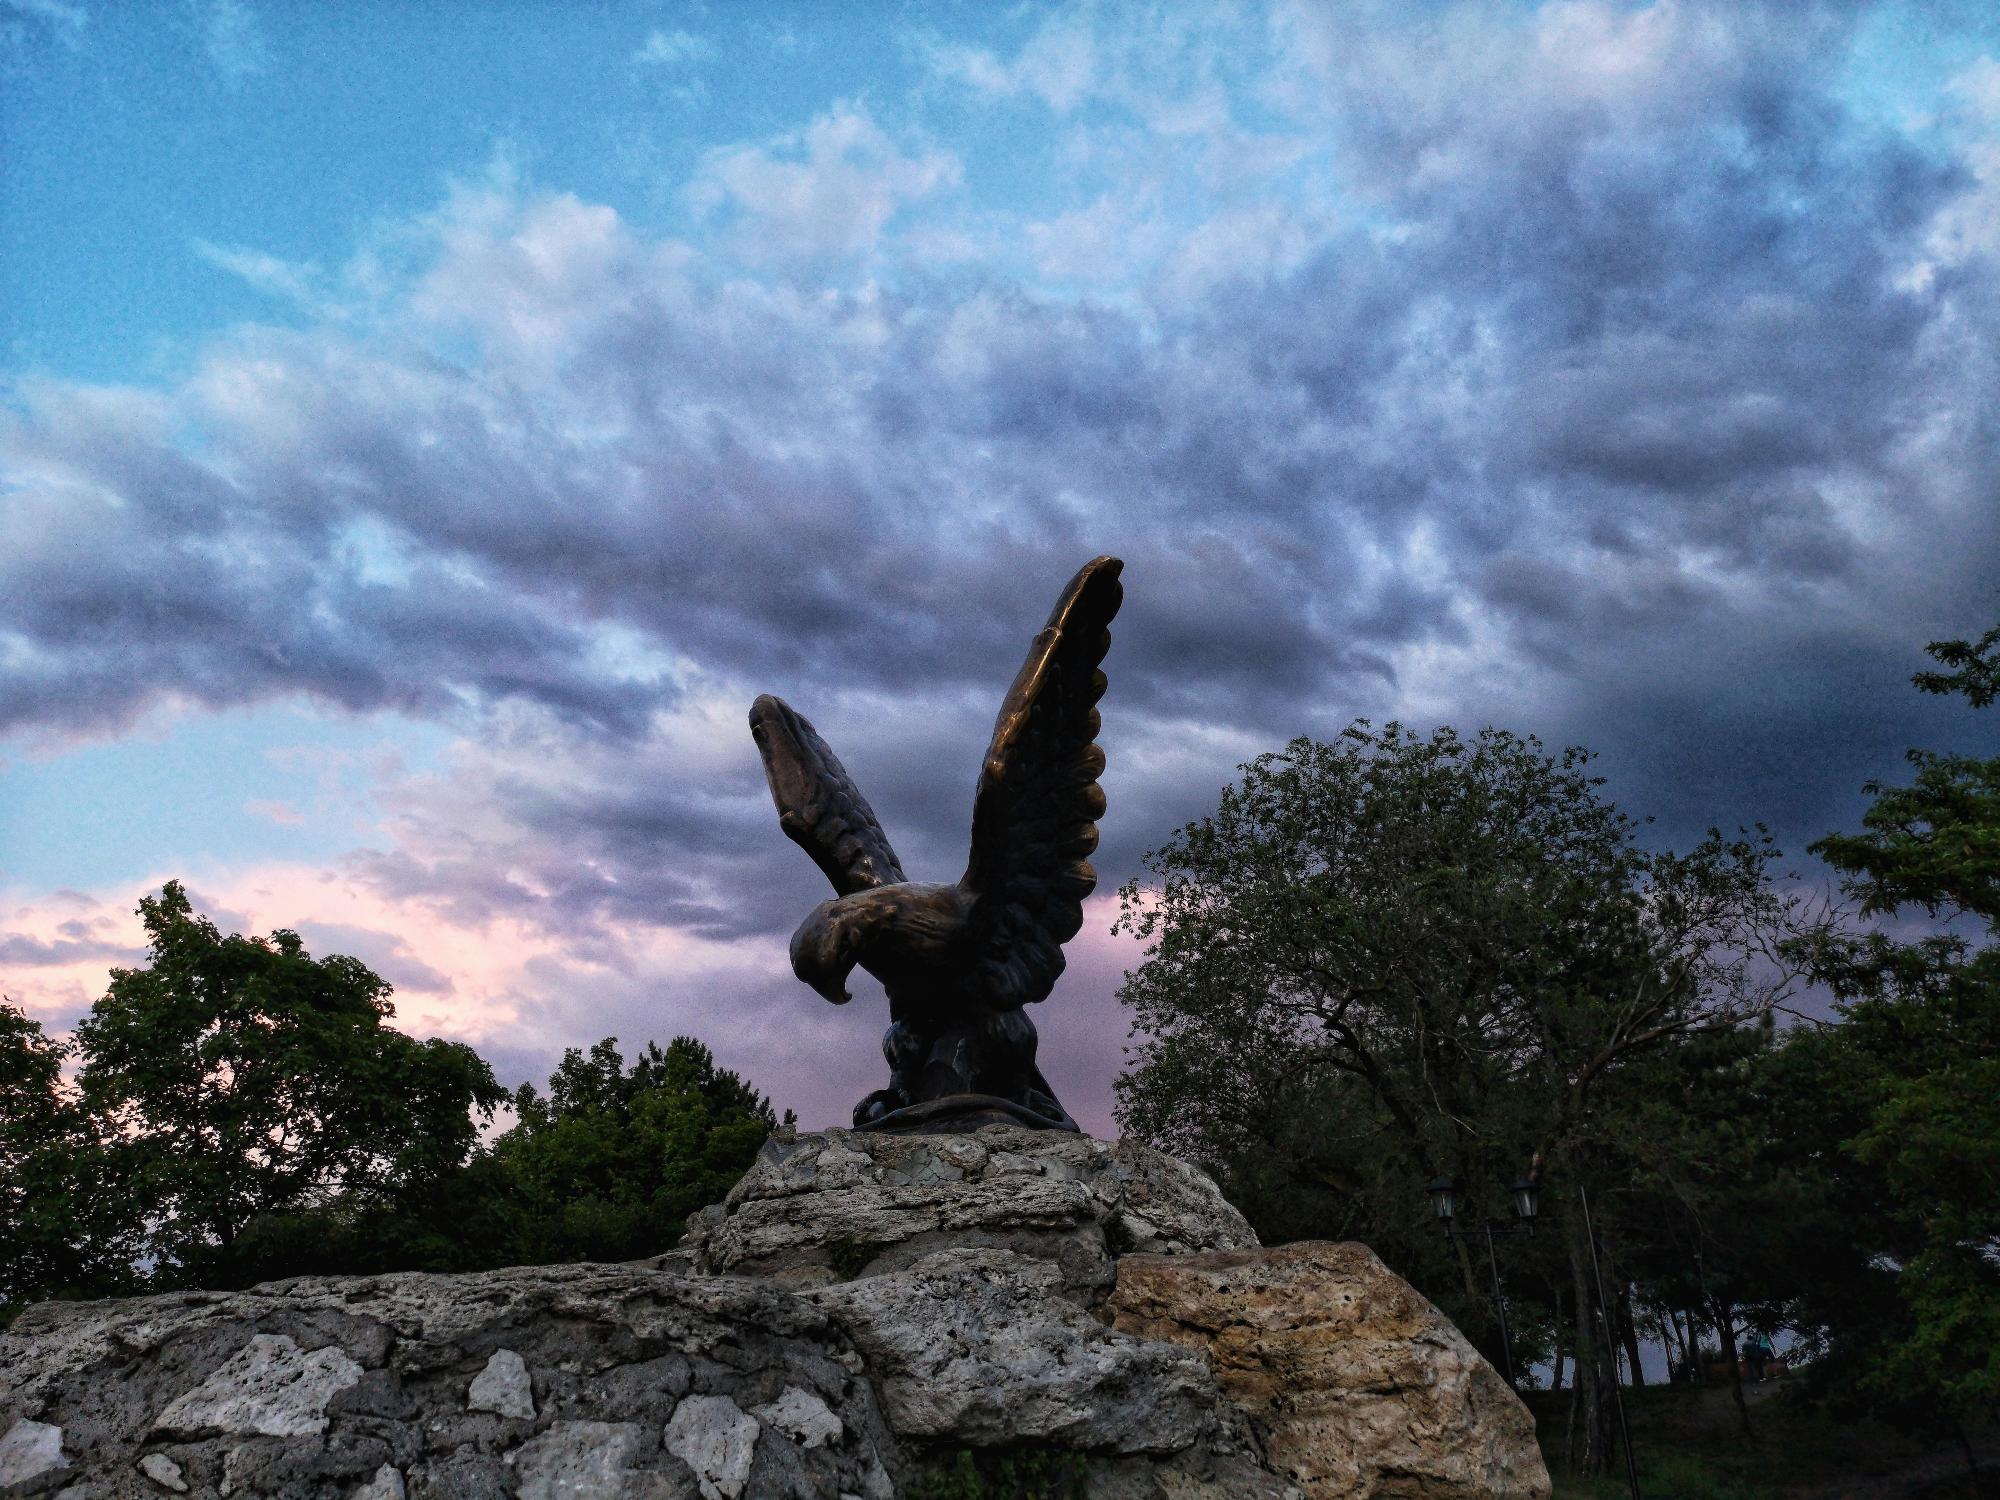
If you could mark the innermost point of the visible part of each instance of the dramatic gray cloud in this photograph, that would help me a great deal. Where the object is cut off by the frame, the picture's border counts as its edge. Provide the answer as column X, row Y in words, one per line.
column 27, row 950
column 1617, row 381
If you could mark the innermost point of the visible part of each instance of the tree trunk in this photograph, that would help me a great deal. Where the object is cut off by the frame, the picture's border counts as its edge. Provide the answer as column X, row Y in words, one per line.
column 1725, row 1324
column 1589, row 1437
column 1469, row 1278
column 1684, row 1339
column 1697, row 1321
column 1562, row 1334
column 1630, row 1335
column 1620, row 1311
column 1570, row 1414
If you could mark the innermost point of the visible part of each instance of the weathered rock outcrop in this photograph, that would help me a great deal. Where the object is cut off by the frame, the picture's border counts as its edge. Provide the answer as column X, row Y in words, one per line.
column 858, row 1307
column 1357, row 1385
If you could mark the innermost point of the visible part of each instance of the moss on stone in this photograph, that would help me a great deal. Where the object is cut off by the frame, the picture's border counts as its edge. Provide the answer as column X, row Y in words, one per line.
column 849, row 1258
column 1001, row 1474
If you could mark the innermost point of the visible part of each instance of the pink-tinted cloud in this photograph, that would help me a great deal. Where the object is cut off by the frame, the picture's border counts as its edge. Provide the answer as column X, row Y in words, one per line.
column 521, row 994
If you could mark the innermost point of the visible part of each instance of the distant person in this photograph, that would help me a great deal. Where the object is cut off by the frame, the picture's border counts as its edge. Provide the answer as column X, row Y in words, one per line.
column 1757, row 1352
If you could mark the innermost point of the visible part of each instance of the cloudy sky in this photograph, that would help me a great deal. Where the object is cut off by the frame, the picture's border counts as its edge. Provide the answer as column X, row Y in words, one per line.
column 425, row 427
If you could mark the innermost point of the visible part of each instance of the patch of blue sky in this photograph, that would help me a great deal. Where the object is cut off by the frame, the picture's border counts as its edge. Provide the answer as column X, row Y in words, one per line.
column 278, row 783
column 159, row 191
column 127, row 147
column 1905, row 57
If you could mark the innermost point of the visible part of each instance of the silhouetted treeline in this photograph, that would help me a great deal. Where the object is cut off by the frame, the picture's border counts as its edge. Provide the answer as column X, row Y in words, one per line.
column 241, row 1111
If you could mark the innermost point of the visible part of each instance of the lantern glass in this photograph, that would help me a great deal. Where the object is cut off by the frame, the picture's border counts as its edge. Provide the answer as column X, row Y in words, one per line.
column 1527, row 1198
column 1444, row 1198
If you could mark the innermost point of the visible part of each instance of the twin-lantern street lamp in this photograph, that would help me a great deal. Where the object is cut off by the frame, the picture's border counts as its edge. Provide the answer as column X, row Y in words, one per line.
column 1527, row 1195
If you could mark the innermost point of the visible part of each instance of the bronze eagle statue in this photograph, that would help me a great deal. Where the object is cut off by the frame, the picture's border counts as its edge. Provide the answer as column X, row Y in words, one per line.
column 960, row 961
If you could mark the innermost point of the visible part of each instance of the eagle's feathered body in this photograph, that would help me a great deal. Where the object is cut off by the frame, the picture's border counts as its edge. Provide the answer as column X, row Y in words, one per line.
column 959, row 961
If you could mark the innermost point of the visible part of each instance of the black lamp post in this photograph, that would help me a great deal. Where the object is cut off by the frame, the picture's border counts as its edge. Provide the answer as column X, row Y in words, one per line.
column 1527, row 1195
column 1610, row 1345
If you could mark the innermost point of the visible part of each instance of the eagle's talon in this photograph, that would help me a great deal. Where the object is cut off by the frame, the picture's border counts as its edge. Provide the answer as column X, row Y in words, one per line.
column 876, row 1105
column 1041, row 1104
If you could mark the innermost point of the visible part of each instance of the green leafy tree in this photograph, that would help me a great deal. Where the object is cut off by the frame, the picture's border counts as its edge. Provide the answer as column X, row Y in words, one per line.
column 606, row 1166
column 61, row 1230
column 1400, row 957
column 464, row 1219
column 611, row 1162
column 1921, row 1029
column 1733, row 1216
column 239, row 1078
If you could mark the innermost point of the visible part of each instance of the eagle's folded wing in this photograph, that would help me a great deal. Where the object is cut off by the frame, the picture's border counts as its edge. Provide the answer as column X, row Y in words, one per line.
column 819, row 807
column 1034, row 820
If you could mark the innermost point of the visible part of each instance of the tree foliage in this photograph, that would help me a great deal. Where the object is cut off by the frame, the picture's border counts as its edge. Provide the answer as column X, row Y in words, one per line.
column 64, row 1225
column 1429, row 916
column 244, row 1112
column 611, row 1162
column 1395, row 957
column 606, row 1166
column 238, row 1077
column 1920, row 1035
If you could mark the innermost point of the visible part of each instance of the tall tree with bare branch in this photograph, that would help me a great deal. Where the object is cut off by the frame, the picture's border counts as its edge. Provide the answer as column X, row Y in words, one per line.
column 1459, row 932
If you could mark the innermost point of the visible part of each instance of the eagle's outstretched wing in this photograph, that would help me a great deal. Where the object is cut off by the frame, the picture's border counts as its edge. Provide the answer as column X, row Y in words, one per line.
column 1034, row 820
column 819, row 807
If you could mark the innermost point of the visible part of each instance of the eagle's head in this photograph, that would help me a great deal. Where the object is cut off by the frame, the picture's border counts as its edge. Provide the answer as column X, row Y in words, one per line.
column 828, row 945
column 900, row 933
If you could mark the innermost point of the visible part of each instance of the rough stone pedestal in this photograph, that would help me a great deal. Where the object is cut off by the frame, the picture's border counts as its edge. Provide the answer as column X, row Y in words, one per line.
column 860, row 1309
column 838, row 1204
